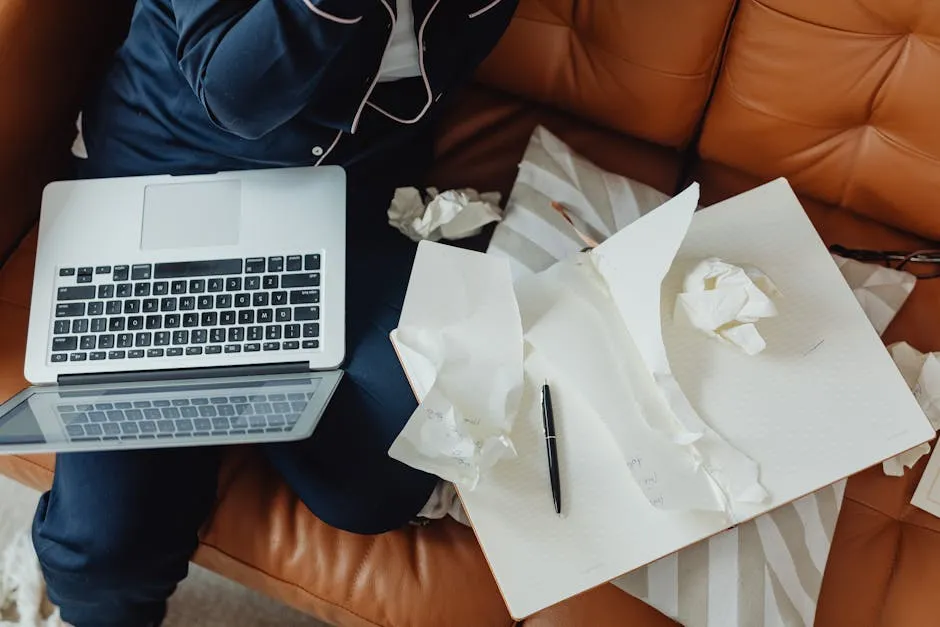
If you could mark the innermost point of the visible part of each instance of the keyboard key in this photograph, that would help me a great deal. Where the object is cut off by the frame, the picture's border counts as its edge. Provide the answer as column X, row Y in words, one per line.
column 271, row 282
column 174, row 352
column 199, row 336
column 295, row 263
column 190, row 320
column 150, row 305
column 60, row 344
column 116, row 354
column 233, row 348
column 257, row 422
column 215, row 285
column 135, row 323
column 124, row 290
column 130, row 428
column 282, row 314
column 260, row 299
column 105, row 291
column 147, row 426
column 161, row 288
column 207, row 411
column 115, row 415
column 99, row 325
column 104, row 406
column 220, row 424
column 305, row 279
column 265, row 316
column 178, row 287
column 96, row 308
column 93, row 430
column 116, row 324
column 254, row 347
column 168, row 304
column 291, row 345
column 275, row 264
column 154, row 352
column 78, row 356
column 97, row 416
column 66, row 271
column 210, row 318
column 69, row 310
column 189, row 412
column 272, row 332
column 227, row 318
column 239, row 422
column 304, row 297
column 75, row 430
column 236, row 334
column 170, row 413
column 184, row 425
column 233, row 284
column 102, row 269
column 194, row 350
column 106, row 341
column 80, row 326
column 213, row 350
column 292, row 331
column 141, row 272
column 83, row 278
column 131, row 306
column 255, row 334
column 192, row 269
column 279, row 298
column 143, row 339
column 311, row 262
column 161, row 338
column 111, row 429
column 254, row 265
column 154, row 322
column 306, row 313
column 122, row 405
column 142, row 289
column 223, row 301
column 246, row 316
column 272, row 346
column 202, row 424
column 113, row 308
column 85, row 270
column 135, row 354
column 152, row 413
column 172, row 321
column 180, row 337
column 217, row 336
column 125, row 340
column 58, row 358
column 311, row 329
column 242, row 300
column 88, row 342
column 205, row 302
column 61, row 327
column 187, row 303
column 120, row 273
column 80, row 292
column 197, row 286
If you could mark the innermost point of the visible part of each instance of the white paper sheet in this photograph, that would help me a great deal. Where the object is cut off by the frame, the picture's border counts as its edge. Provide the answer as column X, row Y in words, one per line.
column 460, row 324
column 922, row 373
column 452, row 214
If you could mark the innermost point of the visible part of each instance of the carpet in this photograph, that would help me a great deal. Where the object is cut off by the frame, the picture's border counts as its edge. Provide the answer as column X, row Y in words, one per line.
column 204, row 599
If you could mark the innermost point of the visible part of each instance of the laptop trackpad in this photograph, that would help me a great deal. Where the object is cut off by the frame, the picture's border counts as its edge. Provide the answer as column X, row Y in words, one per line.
column 191, row 215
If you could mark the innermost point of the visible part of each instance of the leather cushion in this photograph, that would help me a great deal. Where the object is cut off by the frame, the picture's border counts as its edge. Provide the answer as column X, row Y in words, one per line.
column 630, row 66
column 842, row 97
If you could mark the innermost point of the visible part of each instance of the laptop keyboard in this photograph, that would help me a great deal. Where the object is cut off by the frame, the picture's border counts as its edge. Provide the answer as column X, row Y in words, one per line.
column 183, row 418
column 154, row 311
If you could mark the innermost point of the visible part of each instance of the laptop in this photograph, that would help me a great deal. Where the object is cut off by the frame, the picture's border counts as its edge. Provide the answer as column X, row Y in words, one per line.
column 183, row 311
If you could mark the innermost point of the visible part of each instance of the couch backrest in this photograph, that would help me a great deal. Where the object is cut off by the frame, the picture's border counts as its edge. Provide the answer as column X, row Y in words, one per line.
column 840, row 96
column 642, row 67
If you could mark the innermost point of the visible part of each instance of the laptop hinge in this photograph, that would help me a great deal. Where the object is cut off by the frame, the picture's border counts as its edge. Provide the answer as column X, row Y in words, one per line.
column 183, row 373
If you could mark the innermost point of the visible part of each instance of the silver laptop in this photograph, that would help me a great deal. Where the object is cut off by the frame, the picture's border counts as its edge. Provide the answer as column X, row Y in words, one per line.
column 183, row 311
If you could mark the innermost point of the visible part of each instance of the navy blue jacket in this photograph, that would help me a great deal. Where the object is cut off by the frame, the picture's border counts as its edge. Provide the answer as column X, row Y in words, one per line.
column 204, row 85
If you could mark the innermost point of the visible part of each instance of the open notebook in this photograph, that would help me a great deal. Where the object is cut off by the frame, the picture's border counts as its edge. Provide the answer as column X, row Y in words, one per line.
column 822, row 402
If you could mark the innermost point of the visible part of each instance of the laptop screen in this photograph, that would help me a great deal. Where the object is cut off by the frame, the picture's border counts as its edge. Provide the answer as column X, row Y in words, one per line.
column 20, row 427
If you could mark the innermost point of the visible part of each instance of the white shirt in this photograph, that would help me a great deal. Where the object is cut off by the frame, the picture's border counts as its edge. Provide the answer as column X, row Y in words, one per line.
column 401, row 56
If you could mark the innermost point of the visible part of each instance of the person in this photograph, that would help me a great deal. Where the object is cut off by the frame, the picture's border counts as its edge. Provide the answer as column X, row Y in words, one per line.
column 201, row 86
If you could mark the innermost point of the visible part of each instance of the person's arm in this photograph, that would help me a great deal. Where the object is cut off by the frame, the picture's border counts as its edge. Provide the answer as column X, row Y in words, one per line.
column 255, row 64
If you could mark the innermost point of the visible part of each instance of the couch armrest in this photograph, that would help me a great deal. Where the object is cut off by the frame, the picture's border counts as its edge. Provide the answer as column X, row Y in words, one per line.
column 49, row 50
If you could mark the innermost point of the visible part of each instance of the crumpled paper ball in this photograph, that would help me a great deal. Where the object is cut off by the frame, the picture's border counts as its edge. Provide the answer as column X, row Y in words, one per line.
column 921, row 371
column 452, row 214
column 725, row 301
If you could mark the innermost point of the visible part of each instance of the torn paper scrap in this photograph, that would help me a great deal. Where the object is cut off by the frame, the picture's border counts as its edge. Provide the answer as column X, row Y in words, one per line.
column 880, row 291
column 651, row 244
column 922, row 373
column 726, row 301
column 460, row 325
column 453, row 214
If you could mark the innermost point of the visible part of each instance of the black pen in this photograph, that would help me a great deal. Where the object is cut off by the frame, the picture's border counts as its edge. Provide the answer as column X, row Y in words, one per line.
column 548, row 422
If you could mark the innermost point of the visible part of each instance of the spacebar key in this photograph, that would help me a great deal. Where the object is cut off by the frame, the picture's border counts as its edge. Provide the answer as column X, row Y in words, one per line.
column 181, row 269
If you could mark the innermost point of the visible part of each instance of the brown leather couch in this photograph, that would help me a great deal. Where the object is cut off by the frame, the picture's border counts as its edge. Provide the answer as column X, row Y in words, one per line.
column 841, row 96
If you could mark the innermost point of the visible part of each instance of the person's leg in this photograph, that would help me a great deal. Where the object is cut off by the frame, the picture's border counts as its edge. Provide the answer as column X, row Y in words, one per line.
column 115, row 533
column 343, row 472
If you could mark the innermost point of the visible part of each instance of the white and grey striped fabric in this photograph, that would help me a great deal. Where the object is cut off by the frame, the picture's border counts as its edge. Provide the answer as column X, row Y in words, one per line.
column 764, row 573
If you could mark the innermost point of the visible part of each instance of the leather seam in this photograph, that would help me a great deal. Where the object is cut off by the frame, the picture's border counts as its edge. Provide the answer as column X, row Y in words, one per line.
column 288, row 583
column 827, row 27
column 362, row 563
column 905, row 147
